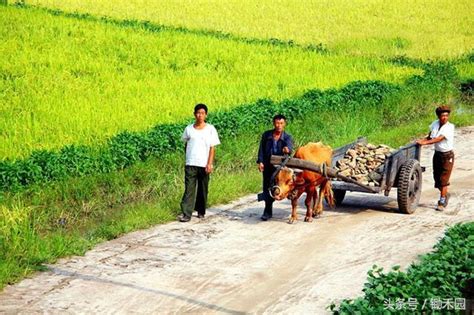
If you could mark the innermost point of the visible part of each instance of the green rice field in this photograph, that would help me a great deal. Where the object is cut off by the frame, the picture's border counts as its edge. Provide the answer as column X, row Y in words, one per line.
column 419, row 28
column 67, row 80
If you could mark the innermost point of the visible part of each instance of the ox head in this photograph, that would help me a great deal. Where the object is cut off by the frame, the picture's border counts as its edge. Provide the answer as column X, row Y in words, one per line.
column 284, row 182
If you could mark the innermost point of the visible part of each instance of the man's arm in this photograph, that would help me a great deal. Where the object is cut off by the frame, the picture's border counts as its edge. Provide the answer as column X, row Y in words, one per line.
column 289, row 145
column 422, row 140
column 260, row 153
column 261, row 149
column 185, row 138
column 210, row 160
column 427, row 141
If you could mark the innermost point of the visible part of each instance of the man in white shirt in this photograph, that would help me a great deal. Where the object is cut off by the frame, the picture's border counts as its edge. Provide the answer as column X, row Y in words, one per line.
column 200, row 139
column 442, row 136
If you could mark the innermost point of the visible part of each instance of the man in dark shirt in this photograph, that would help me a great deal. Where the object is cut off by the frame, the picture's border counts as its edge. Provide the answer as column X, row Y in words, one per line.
column 273, row 142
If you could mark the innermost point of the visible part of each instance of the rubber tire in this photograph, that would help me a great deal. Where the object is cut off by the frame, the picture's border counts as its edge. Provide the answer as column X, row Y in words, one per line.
column 339, row 196
column 409, row 186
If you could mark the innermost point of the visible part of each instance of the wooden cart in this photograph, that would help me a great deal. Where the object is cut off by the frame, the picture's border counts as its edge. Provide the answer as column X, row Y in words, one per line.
column 401, row 170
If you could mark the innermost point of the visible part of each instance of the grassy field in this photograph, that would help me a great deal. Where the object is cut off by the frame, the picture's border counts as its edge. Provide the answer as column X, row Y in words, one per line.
column 421, row 28
column 72, row 79
column 69, row 80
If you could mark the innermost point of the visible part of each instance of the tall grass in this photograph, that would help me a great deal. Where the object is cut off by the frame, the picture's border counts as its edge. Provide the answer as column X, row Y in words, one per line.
column 70, row 80
column 420, row 28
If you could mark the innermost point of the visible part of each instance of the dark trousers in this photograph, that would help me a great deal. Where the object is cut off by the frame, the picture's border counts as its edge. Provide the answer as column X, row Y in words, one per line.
column 196, row 182
column 442, row 166
column 267, row 175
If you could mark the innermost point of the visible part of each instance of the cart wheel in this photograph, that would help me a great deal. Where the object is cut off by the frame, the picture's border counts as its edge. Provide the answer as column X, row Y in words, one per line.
column 339, row 196
column 409, row 186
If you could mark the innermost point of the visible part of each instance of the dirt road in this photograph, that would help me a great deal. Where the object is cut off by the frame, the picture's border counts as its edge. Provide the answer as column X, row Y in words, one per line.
column 231, row 262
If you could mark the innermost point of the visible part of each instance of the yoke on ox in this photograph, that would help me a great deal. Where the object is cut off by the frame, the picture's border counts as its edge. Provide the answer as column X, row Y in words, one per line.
column 292, row 183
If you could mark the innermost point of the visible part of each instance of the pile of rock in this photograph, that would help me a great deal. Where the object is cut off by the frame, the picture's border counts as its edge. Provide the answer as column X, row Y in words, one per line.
column 364, row 163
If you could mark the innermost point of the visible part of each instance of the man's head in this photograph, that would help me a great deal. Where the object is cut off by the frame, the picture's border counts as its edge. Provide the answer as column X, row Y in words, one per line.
column 443, row 113
column 279, row 122
column 200, row 112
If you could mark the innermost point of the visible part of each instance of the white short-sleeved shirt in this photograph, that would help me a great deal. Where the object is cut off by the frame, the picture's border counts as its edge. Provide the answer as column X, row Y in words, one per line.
column 447, row 130
column 199, row 142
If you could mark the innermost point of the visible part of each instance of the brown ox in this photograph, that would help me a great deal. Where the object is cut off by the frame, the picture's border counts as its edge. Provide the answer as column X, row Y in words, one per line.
column 292, row 183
